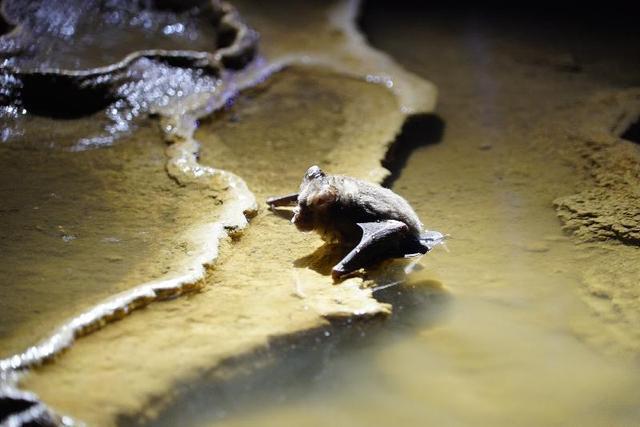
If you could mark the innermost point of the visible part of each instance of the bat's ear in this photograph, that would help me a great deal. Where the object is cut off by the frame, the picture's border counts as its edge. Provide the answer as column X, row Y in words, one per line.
column 326, row 195
column 314, row 172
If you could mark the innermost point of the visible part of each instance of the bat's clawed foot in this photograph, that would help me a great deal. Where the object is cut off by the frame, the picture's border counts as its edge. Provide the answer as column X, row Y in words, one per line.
column 281, row 205
column 340, row 273
column 337, row 274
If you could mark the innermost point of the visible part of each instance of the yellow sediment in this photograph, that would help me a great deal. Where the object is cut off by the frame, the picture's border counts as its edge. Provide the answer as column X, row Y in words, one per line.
column 83, row 227
column 261, row 286
column 517, row 348
column 348, row 54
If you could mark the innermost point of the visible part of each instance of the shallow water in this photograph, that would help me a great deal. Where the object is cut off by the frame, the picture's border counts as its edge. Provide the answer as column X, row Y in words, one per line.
column 502, row 328
column 516, row 344
column 244, row 304
column 514, row 340
column 77, row 35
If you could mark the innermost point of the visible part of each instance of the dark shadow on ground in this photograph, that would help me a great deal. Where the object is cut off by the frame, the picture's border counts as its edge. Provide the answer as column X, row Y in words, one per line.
column 323, row 258
column 632, row 133
column 417, row 131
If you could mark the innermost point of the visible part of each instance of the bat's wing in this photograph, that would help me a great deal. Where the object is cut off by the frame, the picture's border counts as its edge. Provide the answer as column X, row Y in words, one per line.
column 431, row 238
column 428, row 240
column 377, row 238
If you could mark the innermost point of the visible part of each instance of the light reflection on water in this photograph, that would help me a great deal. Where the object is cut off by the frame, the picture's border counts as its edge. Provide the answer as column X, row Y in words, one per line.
column 510, row 342
column 307, row 369
column 490, row 333
column 444, row 357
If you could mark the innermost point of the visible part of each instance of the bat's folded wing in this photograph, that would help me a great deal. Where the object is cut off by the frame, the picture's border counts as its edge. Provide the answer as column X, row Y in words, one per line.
column 431, row 239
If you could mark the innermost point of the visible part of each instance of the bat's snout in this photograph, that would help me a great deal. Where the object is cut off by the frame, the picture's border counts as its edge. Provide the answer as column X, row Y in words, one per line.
column 302, row 221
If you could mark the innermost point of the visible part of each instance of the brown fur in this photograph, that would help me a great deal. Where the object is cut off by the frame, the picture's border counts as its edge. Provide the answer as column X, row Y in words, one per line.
column 332, row 205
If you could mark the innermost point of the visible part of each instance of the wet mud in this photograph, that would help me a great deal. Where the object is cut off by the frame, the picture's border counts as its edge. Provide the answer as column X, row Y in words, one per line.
column 539, row 327
column 607, row 208
column 519, row 322
column 297, row 95
column 554, row 134
column 260, row 288
column 604, row 213
column 166, row 83
column 80, row 227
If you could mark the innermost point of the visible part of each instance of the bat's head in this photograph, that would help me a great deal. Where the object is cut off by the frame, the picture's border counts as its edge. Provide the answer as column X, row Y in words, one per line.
column 315, row 198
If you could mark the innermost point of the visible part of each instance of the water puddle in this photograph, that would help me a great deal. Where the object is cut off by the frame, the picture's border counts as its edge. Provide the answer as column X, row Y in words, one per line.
column 519, row 321
column 77, row 35
column 190, row 232
column 245, row 305
column 515, row 340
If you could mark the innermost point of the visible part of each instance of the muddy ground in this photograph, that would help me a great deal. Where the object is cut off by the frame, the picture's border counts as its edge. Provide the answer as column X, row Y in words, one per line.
column 528, row 163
